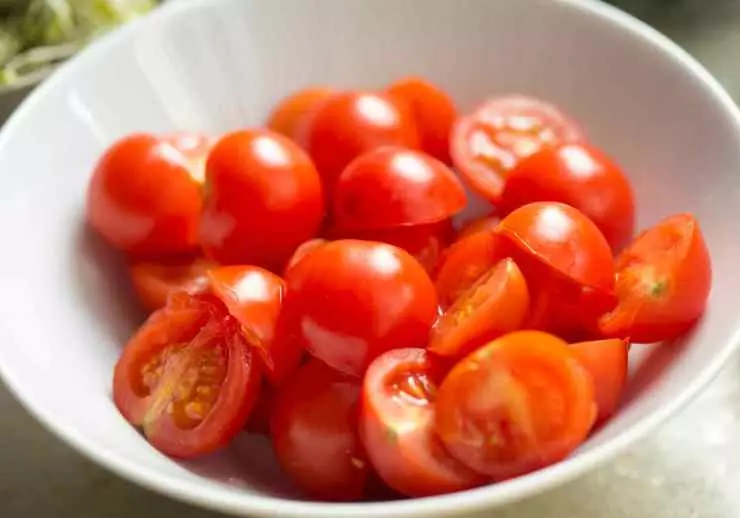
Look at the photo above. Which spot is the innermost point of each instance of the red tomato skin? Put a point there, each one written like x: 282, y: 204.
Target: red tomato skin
x: 285, y: 200
x: 392, y: 302
x: 579, y: 175
x: 350, y: 124
x: 303, y: 250
x: 607, y: 363
x: 204, y: 325
x: 485, y: 145
x: 662, y: 293
x: 434, y: 112
x: 393, y: 186
x: 398, y: 433
x: 154, y: 281
x: 143, y: 199
x: 480, y: 224
x: 292, y: 112
x: 314, y: 432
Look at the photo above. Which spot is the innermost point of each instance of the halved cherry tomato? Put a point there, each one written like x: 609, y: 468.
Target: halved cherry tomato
x: 579, y: 175
x: 303, y: 250
x: 293, y: 111
x: 396, y: 426
x: 434, y: 111
x: 495, y: 305
x: 314, y: 432
x: 391, y: 302
x: 145, y: 198
x: 254, y: 297
x: 350, y: 124
x: 480, y: 224
x: 607, y: 362
x: 488, y: 143
x: 464, y: 263
x: 263, y: 199
x: 187, y: 377
x: 393, y: 186
x: 663, y: 282
x: 425, y: 242
x: 518, y: 404
x: 154, y: 281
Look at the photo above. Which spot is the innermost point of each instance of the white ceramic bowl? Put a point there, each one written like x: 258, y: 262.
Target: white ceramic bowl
x: 215, y: 65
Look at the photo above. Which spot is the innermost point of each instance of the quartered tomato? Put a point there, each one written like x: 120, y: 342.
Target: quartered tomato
x: 488, y: 143
x: 391, y: 302
x: 496, y: 304
x: 352, y: 123
x: 518, y: 404
x: 254, y: 297
x: 397, y: 426
x: 480, y: 224
x: 425, y: 242
x: 433, y: 110
x: 579, y: 175
x: 314, y: 432
x: 145, y: 197
x: 663, y: 282
x: 303, y: 250
x: 607, y: 363
x: 294, y: 110
x: 394, y: 186
x: 187, y: 377
x: 154, y: 281
x: 263, y: 199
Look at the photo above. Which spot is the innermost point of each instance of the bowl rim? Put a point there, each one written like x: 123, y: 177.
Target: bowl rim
x: 216, y: 496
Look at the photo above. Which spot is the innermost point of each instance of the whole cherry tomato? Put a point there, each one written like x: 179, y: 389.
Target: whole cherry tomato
x: 349, y: 301
x: 154, y: 281
x: 314, y: 432
x: 433, y: 110
x: 302, y: 251
x: 144, y: 197
x: 607, y: 363
x: 518, y: 404
x: 263, y: 199
x: 488, y: 143
x: 294, y: 110
x: 397, y: 426
x: 393, y: 186
x: 350, y: 124
x: 579, y: 175
x: 663, y: 282
x: 496, y: 304
x: 187, y: 377
x: 473, y: 226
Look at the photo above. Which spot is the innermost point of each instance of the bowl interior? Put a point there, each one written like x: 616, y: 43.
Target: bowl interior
x: 216, y: 65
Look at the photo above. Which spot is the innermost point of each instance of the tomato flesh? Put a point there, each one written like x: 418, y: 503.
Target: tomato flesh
x: 518, y: 404
x: 397, y: 422
x: 607, y: 363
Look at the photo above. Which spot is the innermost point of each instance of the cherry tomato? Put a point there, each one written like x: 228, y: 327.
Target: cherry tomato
x: 263, y: 199
x: 480, y: 224
x: 154, y: 281
x: 143, y: 198
x: 391, y: 303
x: 425, y: 242
x: 302, y: 251
x: 293, y: 111
x: 396, y: 426
x: 187, y: 377
x: 464, y: 263
x: 495, y: 305
x: 195, y: 147
x: 350, y: 124
x: 581, y: 176
x: 314, y: 432
x: 606, y: 361
x: 254, y: 297
x: 518, y: 404
x: 433, y: 110
x: 392, y: 186
x: 259, y: 418
x: 663, y: 282
x: 488, y: 143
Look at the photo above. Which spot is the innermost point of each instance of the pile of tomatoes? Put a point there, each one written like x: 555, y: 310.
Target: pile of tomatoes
x: 317, y: 281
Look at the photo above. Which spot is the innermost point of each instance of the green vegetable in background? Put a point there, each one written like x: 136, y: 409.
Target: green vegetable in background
x: 38, y: 34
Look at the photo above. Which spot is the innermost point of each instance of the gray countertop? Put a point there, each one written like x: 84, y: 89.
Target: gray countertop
x: 690, y: 468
